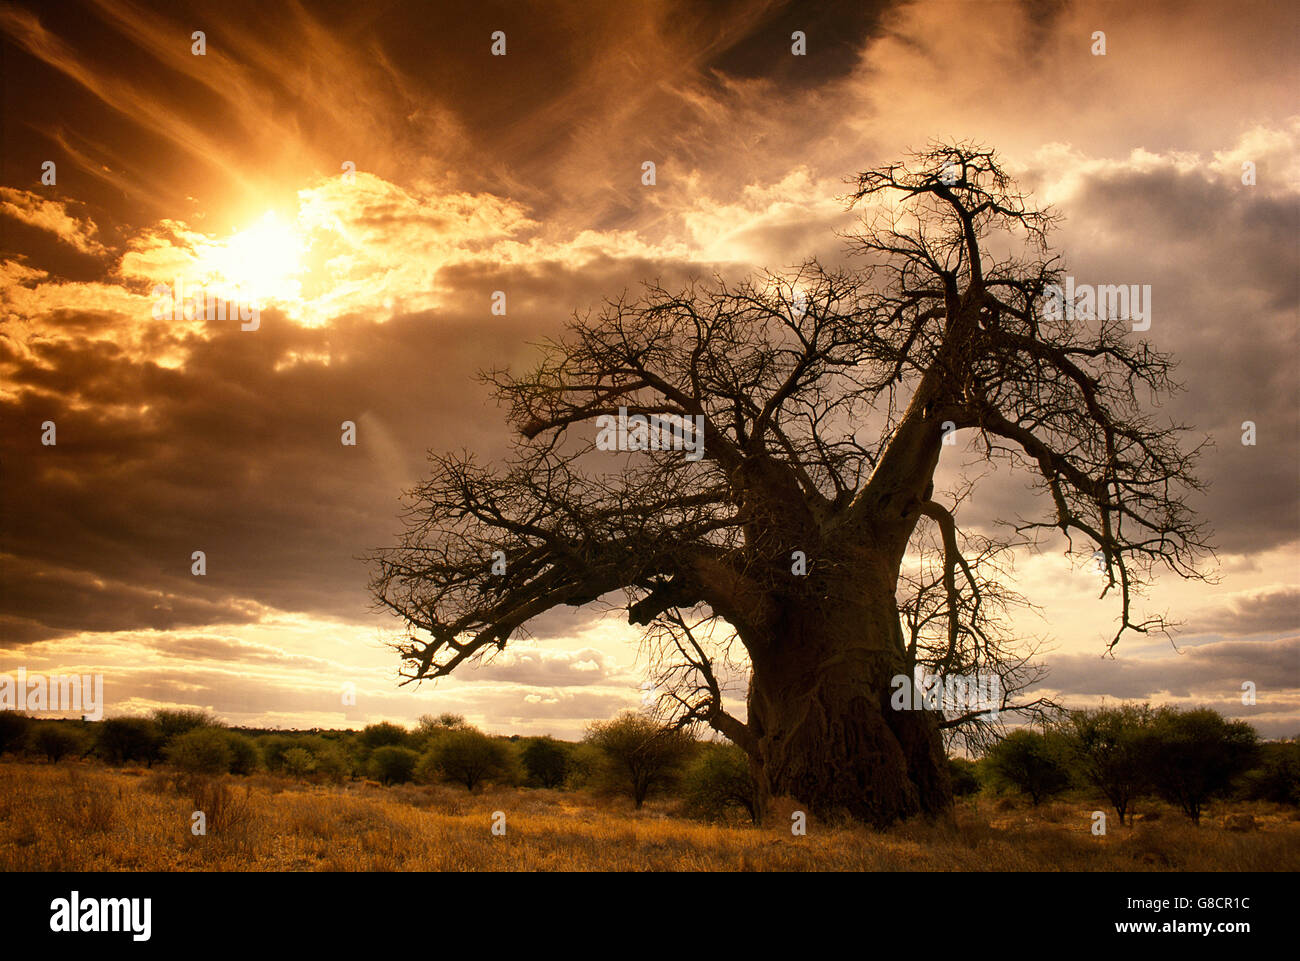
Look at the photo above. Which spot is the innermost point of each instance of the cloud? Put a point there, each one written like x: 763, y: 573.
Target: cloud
x: 52, y: 216
x: 1271, y: 611
x: 547, y: 668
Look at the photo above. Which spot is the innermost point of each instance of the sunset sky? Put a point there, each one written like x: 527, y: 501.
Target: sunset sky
x: 522, y: 173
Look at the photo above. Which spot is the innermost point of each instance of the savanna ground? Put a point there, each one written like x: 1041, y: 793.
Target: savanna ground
x: 88, y: 817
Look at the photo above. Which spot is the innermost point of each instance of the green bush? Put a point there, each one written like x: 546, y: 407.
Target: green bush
x: 467, y: 757
x: 244, y: 755
x: 1031, y: 763
x: 393, y: 765
x: 546, y: 761
x: 429, y: 729
x: 298, y: 762
x: 1197, y: 755
x: 13, y: 730
x: 332, y: 762
x: 585, y: 764
x: 964, y: 775
x: 639, y: 755
x: 719, y: 784
x: 273, y: 748
x: 1277, y: 778
x: 173, y: 723
x: 384, y: 734
x: 55, y: 740
x: 203, y: 750
x: 123, y: 739
x: 1112, y: 749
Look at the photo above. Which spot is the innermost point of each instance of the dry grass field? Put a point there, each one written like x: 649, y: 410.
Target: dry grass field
x: 86, y: 817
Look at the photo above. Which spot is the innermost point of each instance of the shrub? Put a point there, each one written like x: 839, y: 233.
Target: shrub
x: 1277, y: 779
x: 331, y: 761
x: 384, y: 734
x: 964, y: 775
x: 202, y: 750
x: 719, y: 783
x: 1029, y: 762
x: 1111, y: 748
x: 273, y: 748
x: 640, y: 756
x: 174, y: 723
x: 55, y: 740
x: 13, y: 730
x: 430, y: 728
x: 466, y: 756
x: 547, y: 761
x: 298, y: 762
x: 123, y: 739
x: 392, y: 764
x: 1196, y: 756
x: 585, y: 764
x: 244, y: 755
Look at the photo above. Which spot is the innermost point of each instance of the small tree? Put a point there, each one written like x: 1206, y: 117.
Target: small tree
x: 13, y: 730
x: 203, y: 750
x: 123, y: 739
x: 1030, y: 762
x: 384, y: 734
x: 429, y: 729
x: 585, y: 764
x: 719, y: 781
x: 1277, y: 778
x: 273, y: 748
x: 547, y: 761
x: 965, y: 776
x: 641, y: 756
x: 330, y: 758
x: 55, y: 741
x: 173, y: 723
x: 1196, y: 756
x: 445, y: 721
x: 468, y: 757
x: 244, y: 755
x: 1111, y: 748
x: 298, y: 762
x: 392, y: 764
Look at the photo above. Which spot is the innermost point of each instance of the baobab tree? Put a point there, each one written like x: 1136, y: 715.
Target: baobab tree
x: 822, y: 398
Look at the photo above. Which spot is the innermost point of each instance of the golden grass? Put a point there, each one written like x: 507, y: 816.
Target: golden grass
x: 85, y: 817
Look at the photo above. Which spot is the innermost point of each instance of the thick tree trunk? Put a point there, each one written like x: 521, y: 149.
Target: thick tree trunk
x: 827, y: 736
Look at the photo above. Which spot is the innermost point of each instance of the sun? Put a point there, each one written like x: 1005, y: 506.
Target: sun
x: 263, y: 262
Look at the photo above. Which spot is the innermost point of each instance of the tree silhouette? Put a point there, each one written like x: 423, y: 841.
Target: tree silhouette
x: 822, y: 397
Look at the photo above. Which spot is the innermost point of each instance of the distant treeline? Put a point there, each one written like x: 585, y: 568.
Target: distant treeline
x: 1129, y: 752
x: 1124, y: 753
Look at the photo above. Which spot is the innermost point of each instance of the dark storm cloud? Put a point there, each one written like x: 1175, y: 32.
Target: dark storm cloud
x: 1225, y: 277
x: 237, y: 453
x: 836, y: 32
x: 43, y: 601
